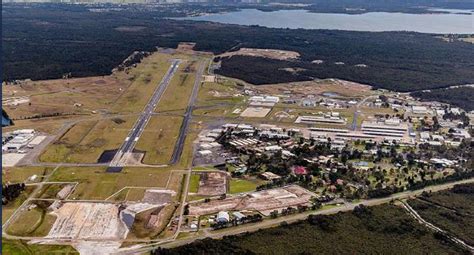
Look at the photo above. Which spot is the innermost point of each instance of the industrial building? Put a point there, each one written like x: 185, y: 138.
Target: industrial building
x: 330, y: 118
x: 389, y: 129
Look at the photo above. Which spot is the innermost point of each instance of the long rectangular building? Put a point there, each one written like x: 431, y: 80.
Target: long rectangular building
x: 389, y: 128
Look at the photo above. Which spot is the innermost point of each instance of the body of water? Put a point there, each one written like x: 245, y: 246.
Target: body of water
x: 372, y: 21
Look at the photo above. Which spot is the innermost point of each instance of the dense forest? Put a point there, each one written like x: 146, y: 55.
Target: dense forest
x: 452, y: 210
x: 48, y: 41
x: 383, y: 229
x: 462, y: 97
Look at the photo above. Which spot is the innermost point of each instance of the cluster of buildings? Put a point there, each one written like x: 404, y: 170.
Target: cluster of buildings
x: 20, y: 139
x: 16, y: 144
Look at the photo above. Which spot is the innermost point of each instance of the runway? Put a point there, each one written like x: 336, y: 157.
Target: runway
x: 178, y: 148
x: 128, y: 145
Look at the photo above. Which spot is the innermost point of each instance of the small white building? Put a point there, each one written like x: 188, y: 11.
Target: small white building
x: 204, y: 153
x: 223, y: 217
x: 23, y: 131
x: 419, y: 109
x: 273, y: 148
x: 238, y: 215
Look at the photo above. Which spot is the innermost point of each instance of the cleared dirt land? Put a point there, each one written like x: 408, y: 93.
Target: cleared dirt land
x: 212, y: 183
x: 265, y: 53
x: 343, y: 88
x: 263, y: 201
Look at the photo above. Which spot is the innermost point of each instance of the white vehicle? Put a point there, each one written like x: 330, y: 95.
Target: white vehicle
x: 21, y: 151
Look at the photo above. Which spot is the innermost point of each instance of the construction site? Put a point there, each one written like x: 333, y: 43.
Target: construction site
x: 264, y: 201
x: 212, y: 183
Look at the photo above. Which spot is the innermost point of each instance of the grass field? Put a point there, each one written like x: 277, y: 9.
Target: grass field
x: 194, y: 183
x: 8, y: 209
x: 21, y: 174
x: 145, y: 78
x: 32, y: 222
x: 86, y: 141
x: 59, y: 150
x: 17, y: 247
x: 159, y: 138
x: 212, y: 93
x: 64, y: 96
x: 49, y: 125
x: 176, y: 96
x: 241, y: 185
x: 95, y: 183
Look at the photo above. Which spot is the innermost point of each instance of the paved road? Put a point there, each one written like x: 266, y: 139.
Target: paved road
x: 183, y: 130
x: 129, y: 144
x: 354, y: 120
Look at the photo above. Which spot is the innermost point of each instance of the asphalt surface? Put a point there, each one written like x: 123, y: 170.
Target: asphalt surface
x: 183, y: 130
x: 129, y: 144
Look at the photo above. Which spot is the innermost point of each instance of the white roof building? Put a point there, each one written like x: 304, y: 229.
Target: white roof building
x: 419, y: 109
x: 205, y: 153
x: 23, y: 131
x: 273, y: 148
x: 223, y: 217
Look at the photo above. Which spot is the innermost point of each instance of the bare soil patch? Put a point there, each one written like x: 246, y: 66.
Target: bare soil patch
x: 265, y: 53
x: 317, y: 87
x: 212, y: 183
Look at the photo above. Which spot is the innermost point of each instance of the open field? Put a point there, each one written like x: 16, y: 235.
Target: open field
x: 340, y: 87
x: 145, y: 77
x: 194, y: 183
x: 265, y: 53
x: 159, y: 138
x: 85, y: 142
x: 32, y: 222
x: 64, y: 96
x: 18, y: 247
x: 95, y: 183
x: 389, y: 228
x: 177, y: 94
x: 212, y: 93
x: 21, y: 174
x: 242, y: 185
x: 50, y: 125
x: 9, y: 209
